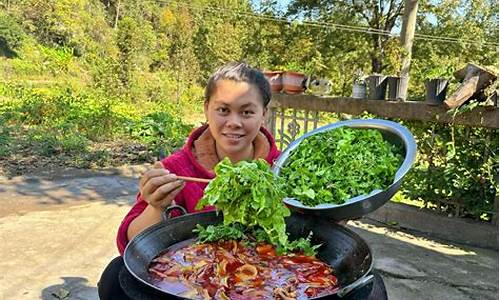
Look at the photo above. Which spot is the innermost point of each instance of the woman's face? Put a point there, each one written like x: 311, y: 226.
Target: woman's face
x: 235, y: 113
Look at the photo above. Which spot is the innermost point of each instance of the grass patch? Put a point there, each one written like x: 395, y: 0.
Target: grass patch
x: 400, y: 197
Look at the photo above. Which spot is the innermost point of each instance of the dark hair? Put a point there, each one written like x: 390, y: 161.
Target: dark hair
x: 240, y: 72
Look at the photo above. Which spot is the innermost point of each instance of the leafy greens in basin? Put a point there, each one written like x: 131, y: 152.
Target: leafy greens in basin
x: 336, y: 165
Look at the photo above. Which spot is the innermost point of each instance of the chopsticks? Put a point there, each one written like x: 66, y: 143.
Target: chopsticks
x: 194, y: 179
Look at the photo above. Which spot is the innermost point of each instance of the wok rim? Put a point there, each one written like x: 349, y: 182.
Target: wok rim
x: 144, y: 234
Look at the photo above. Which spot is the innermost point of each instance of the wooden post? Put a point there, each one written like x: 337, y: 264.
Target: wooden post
x: 406, y: 39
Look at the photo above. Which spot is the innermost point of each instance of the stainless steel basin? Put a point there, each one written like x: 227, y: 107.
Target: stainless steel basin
x: 358, y: 206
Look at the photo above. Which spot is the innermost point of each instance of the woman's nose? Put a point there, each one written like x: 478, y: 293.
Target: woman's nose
x: 234, y: 120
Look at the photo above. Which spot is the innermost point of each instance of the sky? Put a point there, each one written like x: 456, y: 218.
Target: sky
x: 282, y: 3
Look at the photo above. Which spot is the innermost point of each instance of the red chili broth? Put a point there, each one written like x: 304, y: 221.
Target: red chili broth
x: 231, y: 269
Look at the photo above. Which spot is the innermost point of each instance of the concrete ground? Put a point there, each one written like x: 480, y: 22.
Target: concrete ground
x: 57, y: 235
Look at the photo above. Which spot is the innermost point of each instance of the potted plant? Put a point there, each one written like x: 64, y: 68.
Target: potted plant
x: 359, y: 85
x: 275, y: 79
x: 294, y: 79
x: 436, y: 81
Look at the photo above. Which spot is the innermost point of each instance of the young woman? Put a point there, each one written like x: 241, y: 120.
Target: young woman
x: 236, y: 99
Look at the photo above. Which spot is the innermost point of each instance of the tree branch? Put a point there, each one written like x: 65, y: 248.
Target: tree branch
x: 376, y: 14
x: 391, y: 7
x: 392, y: 17
x: 361, y: 10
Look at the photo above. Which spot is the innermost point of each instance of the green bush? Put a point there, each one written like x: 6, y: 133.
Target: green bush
x: 11, y: 33
x: 61, y: 120
x: 56, y: 60
x: 161, y: 131
x: 85, y: 112
x: 456, y: 165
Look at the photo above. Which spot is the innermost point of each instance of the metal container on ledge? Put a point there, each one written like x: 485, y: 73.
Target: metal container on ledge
x: 361, y: 205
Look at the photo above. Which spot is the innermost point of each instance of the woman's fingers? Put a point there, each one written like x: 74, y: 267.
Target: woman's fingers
x: 154, y: 183
x: 171, y: 196
x: 158, y: 187
x: 150, y: 175
x: 165, y: 194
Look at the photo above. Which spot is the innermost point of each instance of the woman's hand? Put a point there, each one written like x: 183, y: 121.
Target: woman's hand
x: 159, y: 187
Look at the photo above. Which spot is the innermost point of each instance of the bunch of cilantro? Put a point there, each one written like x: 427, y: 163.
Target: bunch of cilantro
x: 250, y: 199
x: 339, y: 164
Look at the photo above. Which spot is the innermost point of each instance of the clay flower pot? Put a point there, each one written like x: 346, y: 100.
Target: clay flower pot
x: 294, y: 82
x: 275, y: 80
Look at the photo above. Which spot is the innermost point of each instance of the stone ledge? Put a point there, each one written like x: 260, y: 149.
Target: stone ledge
x: 462, y: 231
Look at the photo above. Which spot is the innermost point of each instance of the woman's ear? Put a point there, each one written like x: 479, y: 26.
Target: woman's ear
x: 265, y: 115
x: 205, y: 110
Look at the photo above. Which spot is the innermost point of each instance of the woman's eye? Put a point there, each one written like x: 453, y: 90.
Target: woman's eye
x: 222, y: 109
x: 247, y: 112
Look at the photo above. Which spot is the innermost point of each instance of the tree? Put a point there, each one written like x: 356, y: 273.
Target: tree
x: 473, y: 25
x: 378, y: 15
x: 222, y: 32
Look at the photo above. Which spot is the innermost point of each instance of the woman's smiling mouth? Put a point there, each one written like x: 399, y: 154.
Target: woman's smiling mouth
x: 233, y: 136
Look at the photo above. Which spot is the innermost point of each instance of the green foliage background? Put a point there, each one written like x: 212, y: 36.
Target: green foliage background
x: 74, y: 74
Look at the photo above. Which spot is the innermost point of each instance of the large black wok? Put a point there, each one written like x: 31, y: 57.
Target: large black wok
x: 345, y: 251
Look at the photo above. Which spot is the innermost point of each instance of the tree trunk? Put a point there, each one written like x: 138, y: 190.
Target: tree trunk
x: 376, y: 65
x: 117, y: 14
x: 377, y: 55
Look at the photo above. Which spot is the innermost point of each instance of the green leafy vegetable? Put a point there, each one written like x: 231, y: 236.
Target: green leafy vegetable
x: 248, y: 193
x: 336, y: 165
x: 304, y: 245
x: 250, y: 198
x: 214, y: 233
